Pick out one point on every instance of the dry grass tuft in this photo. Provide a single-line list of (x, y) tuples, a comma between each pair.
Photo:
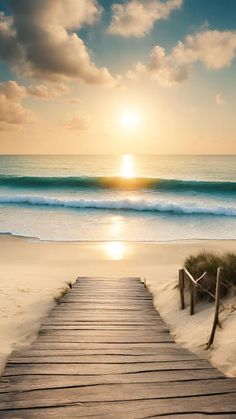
[(61, 292), (209, 262)]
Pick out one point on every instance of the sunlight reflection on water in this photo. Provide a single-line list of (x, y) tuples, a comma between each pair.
[(127, 169)]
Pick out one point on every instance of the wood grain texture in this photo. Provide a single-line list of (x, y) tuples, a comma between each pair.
[(105, 352)]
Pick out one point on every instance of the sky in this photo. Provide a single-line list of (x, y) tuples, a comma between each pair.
[(104, 77)]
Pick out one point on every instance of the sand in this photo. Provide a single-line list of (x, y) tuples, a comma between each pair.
[(33, 273)]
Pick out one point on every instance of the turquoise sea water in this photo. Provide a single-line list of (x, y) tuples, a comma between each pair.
[(123, 198)]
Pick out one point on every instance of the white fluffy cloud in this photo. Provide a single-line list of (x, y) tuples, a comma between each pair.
[(44, 92), (11, 109), (137, 17), (40, 42), (215, 49), (76, 122)]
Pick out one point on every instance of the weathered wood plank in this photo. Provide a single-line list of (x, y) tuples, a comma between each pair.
[(71, 336), (38, 344), (98, 359), (117, 308), (105, 339), (129, 351), (31, 382), (101, 329), (115, 301), (94, 369), (104, 324), (103, 314), (114, 393), (104, 317), (104, 333), (135, 409)]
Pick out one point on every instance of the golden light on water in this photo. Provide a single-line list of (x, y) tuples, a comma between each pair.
[(115, 250), (127, 166)]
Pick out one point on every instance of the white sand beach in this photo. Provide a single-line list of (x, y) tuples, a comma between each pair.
[(33, 274)]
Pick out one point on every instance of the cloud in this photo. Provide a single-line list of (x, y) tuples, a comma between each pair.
[(76, 122), (11, 109), (10, 50), (137, 17), (219, 100), (39, 40), (12, 90), (161, 68), (44, 92), (214, 49)]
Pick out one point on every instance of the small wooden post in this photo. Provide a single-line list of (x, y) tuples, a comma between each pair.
[(217, 305), (192, 297), (181, 288)]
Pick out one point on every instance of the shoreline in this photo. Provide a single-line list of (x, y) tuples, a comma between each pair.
[(179, 241), (34, 273)]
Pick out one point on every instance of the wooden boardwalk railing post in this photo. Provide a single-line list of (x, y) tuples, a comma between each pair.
[(181, 288), (193, 285), (192, 296), (217, 304)]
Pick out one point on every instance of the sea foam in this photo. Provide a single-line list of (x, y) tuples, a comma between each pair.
[(151, 205)]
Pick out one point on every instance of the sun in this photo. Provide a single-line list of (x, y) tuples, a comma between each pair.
[(130, 119)]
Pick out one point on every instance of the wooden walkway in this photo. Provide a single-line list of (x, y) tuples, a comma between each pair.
[(104, 352)]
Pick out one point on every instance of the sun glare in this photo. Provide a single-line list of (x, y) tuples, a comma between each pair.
[(130, 119)]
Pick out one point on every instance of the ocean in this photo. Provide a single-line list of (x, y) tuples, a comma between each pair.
[(118, 198)]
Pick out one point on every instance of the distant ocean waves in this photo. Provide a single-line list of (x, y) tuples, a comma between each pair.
[(152, 205), (142, 198), (107, 182)]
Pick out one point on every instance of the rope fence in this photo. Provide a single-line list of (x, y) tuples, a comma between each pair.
[(194, 285)]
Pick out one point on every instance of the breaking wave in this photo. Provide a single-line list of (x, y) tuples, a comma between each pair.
[(120, 204)]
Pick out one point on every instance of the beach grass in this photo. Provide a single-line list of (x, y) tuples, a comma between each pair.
[(209, 262), (62, 291)]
